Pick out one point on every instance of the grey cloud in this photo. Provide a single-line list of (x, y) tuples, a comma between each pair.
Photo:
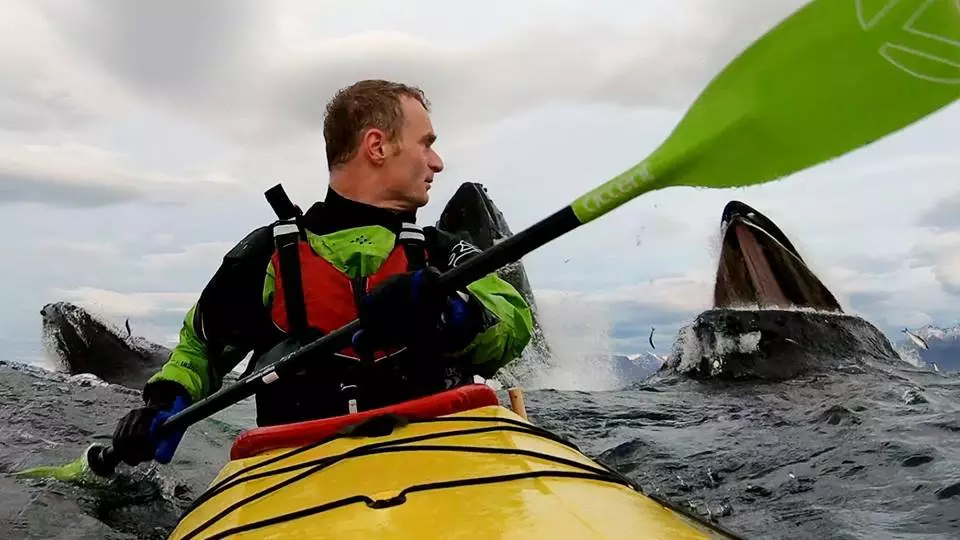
[(217, 58), (83, 177), (865, 301), (633, 321), (944, 266), (173, 47), (208, 62), (21, 110), (23, 186), (468, 87), (625, 316), (949, 278), (940, 252), (891, 310), (877, 264), (635, 318), (45, 85), (945, 215), (653, 65)]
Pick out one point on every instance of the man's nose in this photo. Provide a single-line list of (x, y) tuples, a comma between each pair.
[(436, 162)]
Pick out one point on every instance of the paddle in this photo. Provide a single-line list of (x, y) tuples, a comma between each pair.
[(834, 76)]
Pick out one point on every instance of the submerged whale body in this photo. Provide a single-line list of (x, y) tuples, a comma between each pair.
[(79, 342), (774, 344), (773, 318)]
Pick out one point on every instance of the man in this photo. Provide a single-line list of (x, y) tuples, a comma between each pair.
[(356, 254)]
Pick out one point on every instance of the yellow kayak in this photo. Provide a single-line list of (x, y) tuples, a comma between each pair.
[(453, 465)]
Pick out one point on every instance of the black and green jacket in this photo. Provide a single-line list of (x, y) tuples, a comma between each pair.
[(231, 318)]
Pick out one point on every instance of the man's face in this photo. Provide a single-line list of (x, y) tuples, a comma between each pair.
[(410, 166)]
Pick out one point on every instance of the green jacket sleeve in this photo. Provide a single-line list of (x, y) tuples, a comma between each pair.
[(191, 364), (509, 330), (221, 328), (508, 317), (188, 365)]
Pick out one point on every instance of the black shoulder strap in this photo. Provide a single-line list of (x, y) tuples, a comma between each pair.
[(286, 239), (412, 239), (281, 203)]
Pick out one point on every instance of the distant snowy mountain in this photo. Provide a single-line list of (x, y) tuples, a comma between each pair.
[(943, 347), (630, 368)]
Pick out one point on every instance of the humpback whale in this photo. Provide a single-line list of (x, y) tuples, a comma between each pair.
[(81, 343), (772, 318)]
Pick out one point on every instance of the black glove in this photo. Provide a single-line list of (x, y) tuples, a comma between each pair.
[(405, 308), (134, 439), (412, 309)]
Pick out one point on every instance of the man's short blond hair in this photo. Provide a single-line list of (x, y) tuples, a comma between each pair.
[(372, 103)]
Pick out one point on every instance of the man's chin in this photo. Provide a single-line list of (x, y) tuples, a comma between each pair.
[(417, 201)]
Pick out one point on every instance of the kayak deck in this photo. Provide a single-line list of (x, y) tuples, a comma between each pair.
[(479, 473)]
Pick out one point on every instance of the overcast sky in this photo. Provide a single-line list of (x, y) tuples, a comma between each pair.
[(136, 141)]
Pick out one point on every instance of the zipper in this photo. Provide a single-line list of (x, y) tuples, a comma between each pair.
[(359, 286), (349, 388)]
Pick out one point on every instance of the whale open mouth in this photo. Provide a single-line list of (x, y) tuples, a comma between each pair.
[(758, 328), (759, 266)]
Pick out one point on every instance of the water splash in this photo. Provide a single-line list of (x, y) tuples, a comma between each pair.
[(691, 349), (579, 337), (910, 356)]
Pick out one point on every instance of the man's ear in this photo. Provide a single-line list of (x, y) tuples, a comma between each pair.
[(373, 144)]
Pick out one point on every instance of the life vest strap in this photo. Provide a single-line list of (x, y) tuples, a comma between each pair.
[(286, 238), (412, 239), (281, 203)]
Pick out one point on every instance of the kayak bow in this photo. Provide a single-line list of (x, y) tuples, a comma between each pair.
[(452, 465)]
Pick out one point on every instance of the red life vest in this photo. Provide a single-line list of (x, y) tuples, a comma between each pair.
[(315, 293), (330, 296)]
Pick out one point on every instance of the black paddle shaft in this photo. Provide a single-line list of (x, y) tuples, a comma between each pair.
[(103, 460)]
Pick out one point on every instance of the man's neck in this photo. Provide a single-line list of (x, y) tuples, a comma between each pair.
[(362, 188), (337, 212)]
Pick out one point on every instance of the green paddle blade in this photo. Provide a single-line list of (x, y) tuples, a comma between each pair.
[(834, 76), (76, 472)]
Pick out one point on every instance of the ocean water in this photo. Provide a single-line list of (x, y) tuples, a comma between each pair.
[(863, 448)]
